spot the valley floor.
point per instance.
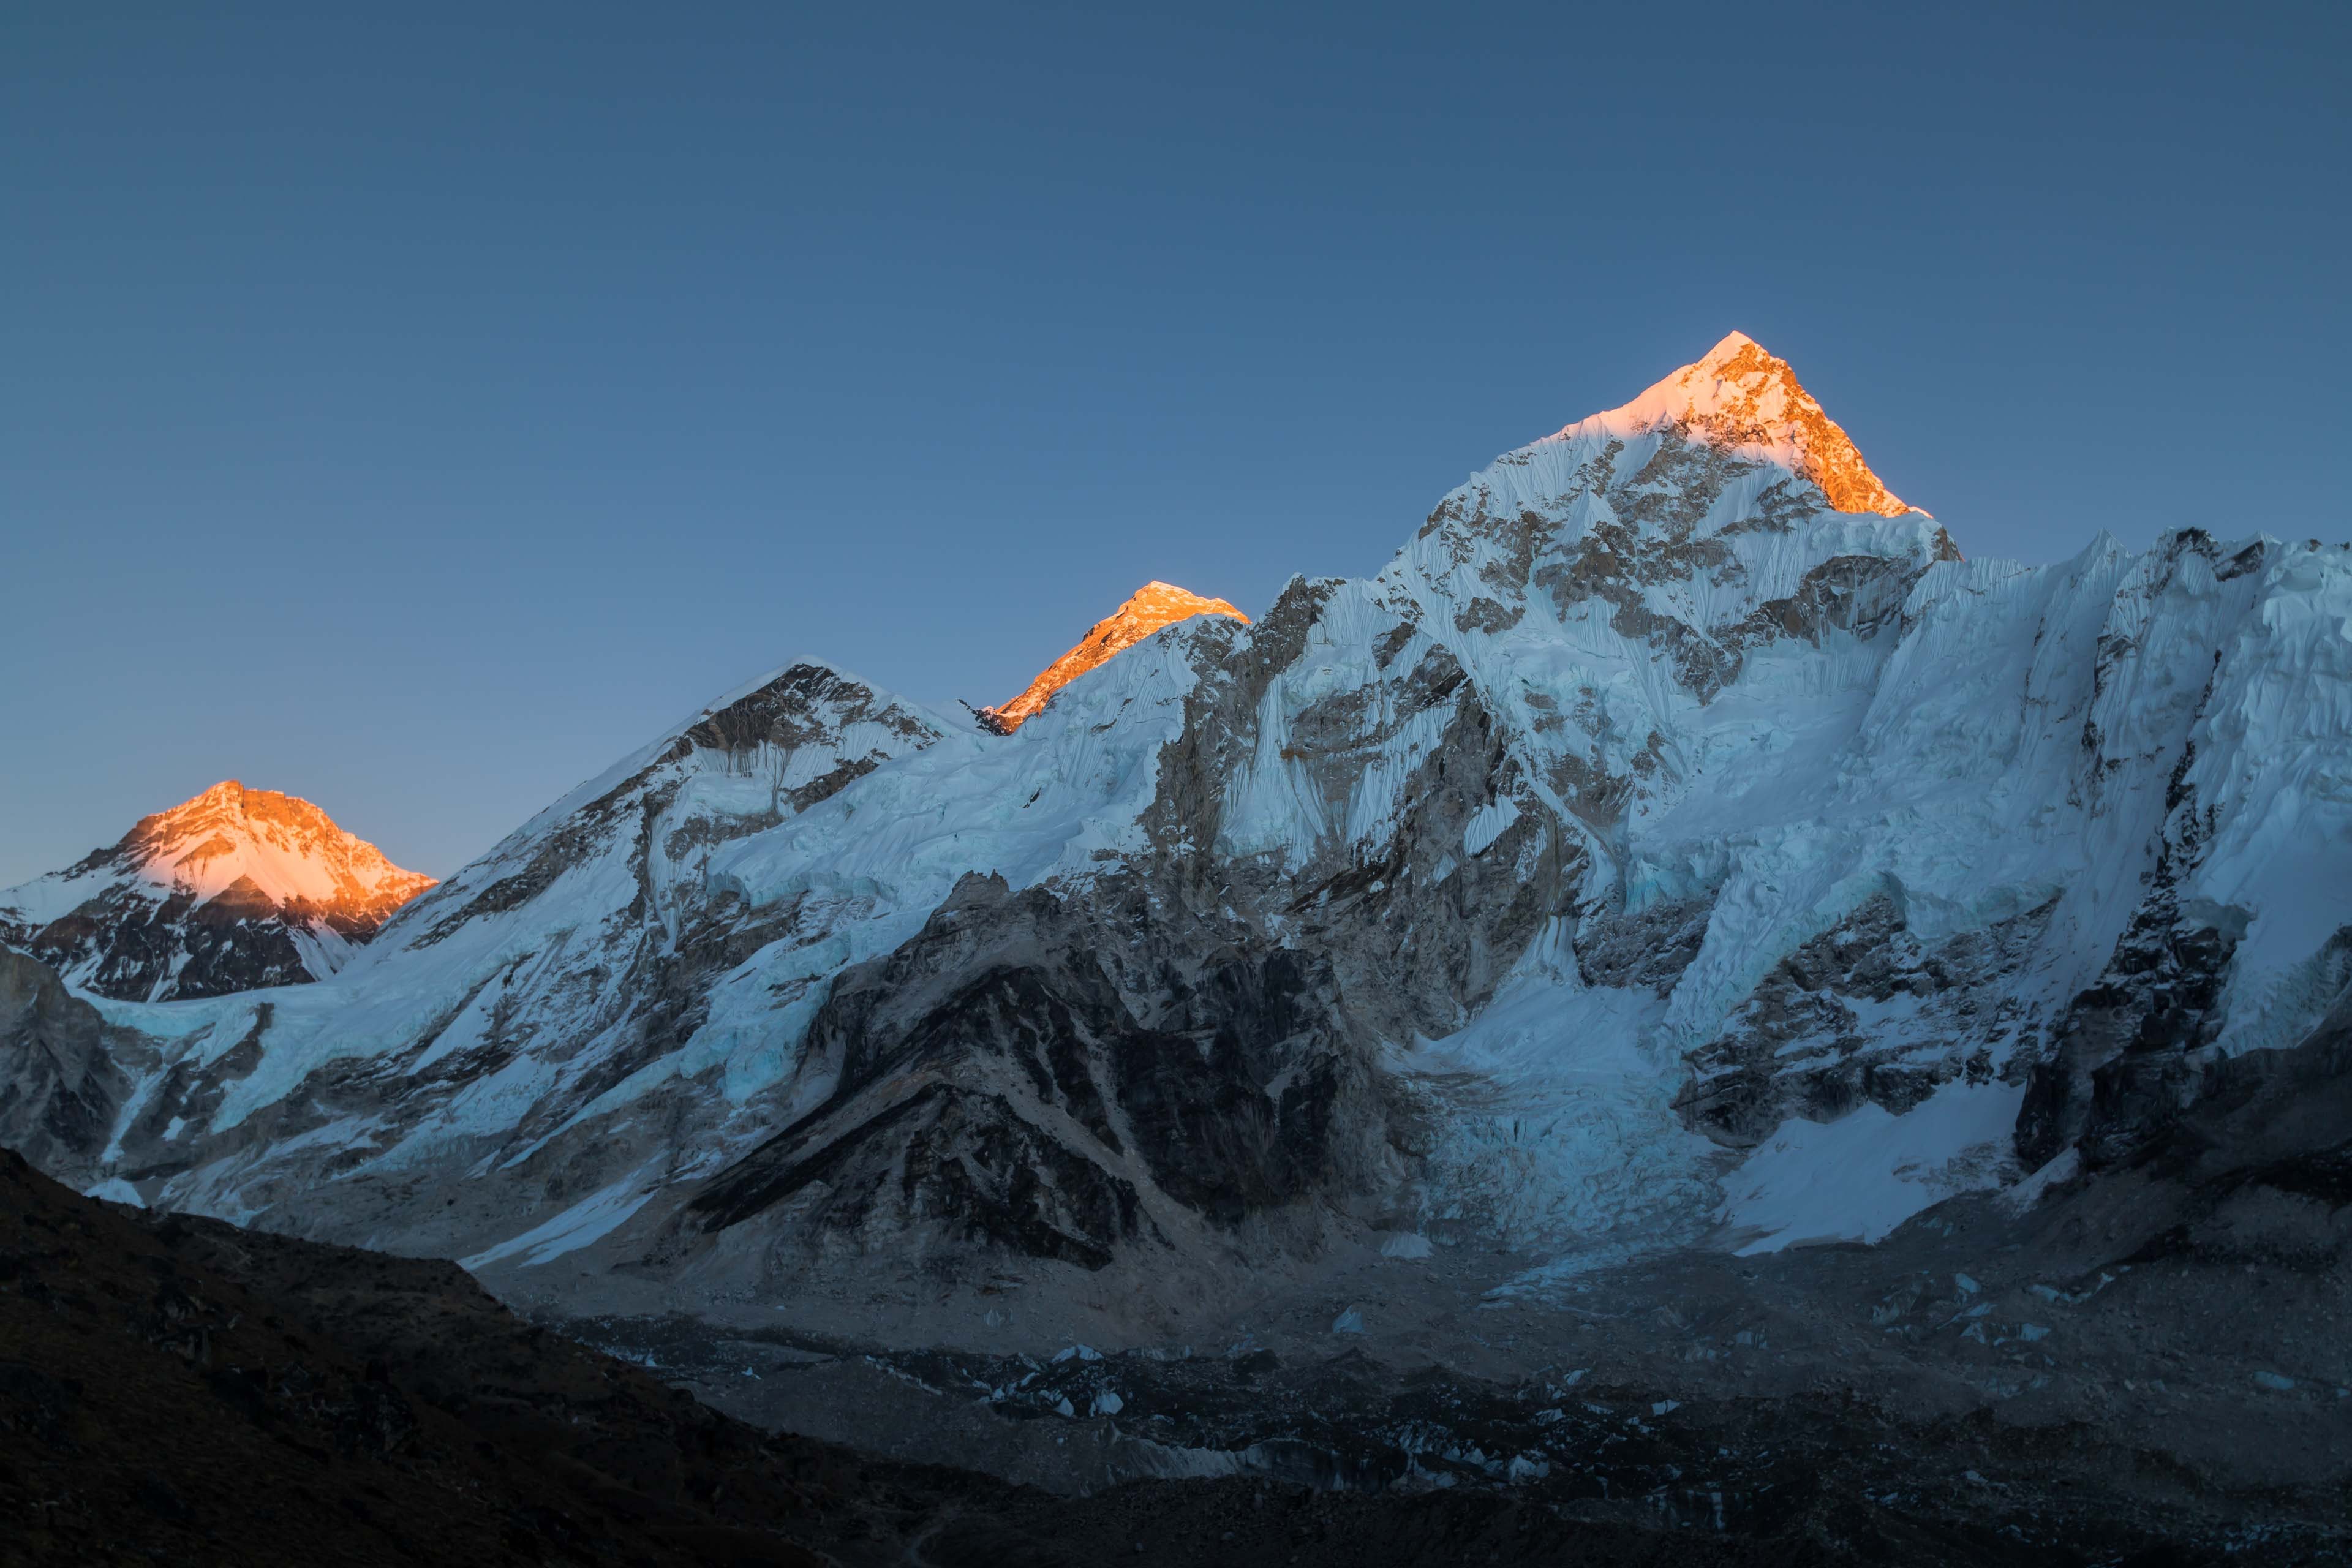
(2153, 1360)
(1956, 1394)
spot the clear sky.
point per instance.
(416, 411)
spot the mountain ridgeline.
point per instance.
(1676, 786)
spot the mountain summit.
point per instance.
(1148, 609)
(232, 888)
(1740, 397)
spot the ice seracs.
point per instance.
(231, 890)
(1147, 610)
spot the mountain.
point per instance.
(1678, 843)
(233, 890)
(1147, 610)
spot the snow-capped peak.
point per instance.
(1742, 397)
(1146, 611)
(284, 846)
(230, 889)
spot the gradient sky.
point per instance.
(417, 411)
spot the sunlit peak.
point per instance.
(1147, 610)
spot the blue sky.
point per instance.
(416, 411)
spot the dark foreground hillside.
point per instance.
(176, 1390)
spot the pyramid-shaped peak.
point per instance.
(289, 846)
(1731, 346)
(231, 890)
(1147, 610)
(1741, 395)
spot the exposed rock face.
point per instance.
(1648, 814)
(68, 1075)
(1146, 611)
(232, 891)
(1864, 1013)
(1009, 1075)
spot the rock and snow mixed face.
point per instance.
(234, 889)
(1677, 836)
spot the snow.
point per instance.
(283, 847)
(1488, 823)
(1571, 1135)
(1857, 1178)
(1780, 421)
(586, 1222)
(283, 859)
(2056, 1172)
(1147, 610)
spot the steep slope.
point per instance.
(233, 890)
(1146, 611)
(1653, 852)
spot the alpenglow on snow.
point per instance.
(229, 890)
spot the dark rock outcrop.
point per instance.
(65, 1081)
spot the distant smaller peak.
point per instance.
(287, 847)
(1150, 608)
(806, 669)
(1172, 603)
